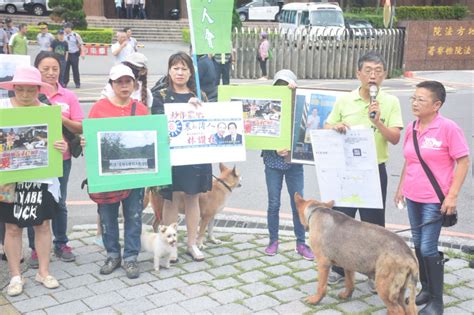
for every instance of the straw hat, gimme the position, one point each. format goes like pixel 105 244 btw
pixel 26 75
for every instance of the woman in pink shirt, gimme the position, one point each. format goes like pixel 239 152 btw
pixel 262 54
pixel 444 149
pixel 49 65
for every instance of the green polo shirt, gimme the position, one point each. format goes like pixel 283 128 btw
pixel 354 111
pixel 19 44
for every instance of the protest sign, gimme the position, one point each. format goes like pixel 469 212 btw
pixel 126 152
pixel 347 168
pixel 210 23
pixel 27 136
pixel 312 108
pixel 8 65
pixel 266 112
pixel 208 134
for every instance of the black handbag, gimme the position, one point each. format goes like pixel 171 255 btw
pixel 448 220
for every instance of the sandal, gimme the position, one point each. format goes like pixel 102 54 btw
pixel 48 282
pixel 16 286
pixel 195 253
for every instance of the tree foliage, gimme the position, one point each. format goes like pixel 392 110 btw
pixel 69 11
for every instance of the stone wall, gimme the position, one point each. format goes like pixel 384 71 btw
pixel 439 45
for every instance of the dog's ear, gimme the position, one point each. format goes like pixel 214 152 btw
pixel 301 205
pixel 175 226
pixel 163 228
pixel 222 167
pixel 329 204
pixel 234 171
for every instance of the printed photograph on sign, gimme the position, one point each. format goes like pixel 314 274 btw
pixel 127 152
pixel 312 108
pixel 23 147
pixel 261 117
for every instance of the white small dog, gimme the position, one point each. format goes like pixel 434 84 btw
pixel 162 244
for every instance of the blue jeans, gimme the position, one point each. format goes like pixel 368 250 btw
pixel 129 11
pixel 59 221
pixel 294 179
pixel 132 215
pixel 425 238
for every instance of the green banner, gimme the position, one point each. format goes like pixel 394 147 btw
pixel 127 152
pixel 267 114
pixel 210 23
pixel 27 136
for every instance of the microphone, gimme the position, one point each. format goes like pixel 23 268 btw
pixel 373 91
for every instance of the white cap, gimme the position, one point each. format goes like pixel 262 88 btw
pixel 119 71
pixel 285 75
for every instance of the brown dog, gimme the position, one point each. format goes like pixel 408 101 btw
pixel 337 239
pixel 210 203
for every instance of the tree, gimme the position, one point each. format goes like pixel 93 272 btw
pixel 69 11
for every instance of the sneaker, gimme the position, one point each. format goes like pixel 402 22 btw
pixel 131 269
pixel 334 277
pixel 371 285
pixel 34 263
pixel 195 253
pixel 48 282
pixel 110 265
pixel 272 249
pixel 64 253
pixel 78 86
pixel 16 286
pixel 304 251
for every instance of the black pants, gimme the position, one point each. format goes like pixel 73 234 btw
pixel 263 67
pixel 118 11
pixel 375 216
pixel 73 61
pixel 223 71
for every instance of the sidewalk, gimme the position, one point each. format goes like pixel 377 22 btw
pixel 236 278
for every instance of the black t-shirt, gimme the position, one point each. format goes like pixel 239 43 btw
pixel 60 47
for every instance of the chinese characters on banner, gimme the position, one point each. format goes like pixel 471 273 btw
pixel 209 134
pixel 210 23
pixel 451 41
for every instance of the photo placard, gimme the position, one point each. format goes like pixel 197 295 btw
pixel 266 114
pixel 127 152
pixel 311 110
pixel 211 133
pixel 27 136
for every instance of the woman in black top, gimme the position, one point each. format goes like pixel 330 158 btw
pixel 190 179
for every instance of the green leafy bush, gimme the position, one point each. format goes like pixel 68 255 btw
pixel 186 35
pixel 91 35
pixel 69 11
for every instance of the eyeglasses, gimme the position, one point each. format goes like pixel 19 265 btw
pixel 418 100
pixel 378 71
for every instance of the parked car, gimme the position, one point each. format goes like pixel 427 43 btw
pixel 360 29
pixel 260 10
pixel 36 7
pixel 12 6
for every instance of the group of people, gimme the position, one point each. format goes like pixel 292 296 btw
pixel 67 45
pixel 442 145
pixel 134 9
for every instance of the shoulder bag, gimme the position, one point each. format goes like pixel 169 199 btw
pixel 448 220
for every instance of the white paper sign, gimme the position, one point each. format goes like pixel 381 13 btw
pixel 346 167
pixel 209 134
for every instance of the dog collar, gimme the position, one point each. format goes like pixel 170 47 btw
pixel 308 213
pixel 223 183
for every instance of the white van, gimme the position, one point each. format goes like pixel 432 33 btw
pixel 311 18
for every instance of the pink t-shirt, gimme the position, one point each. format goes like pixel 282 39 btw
pixel 70 108
pixel 441 144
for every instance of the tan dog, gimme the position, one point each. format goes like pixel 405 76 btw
pixel 210 203
pixel 161 244
pixel 337 239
